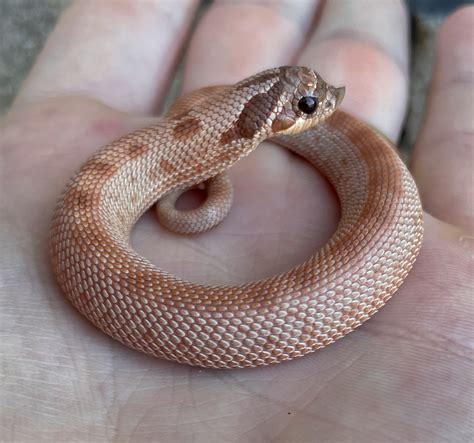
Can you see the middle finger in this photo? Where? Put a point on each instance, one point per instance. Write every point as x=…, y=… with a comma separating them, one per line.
x=363, y=45
x=237, y=39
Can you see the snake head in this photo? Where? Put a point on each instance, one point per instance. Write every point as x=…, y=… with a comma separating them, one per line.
x=305, y=100
x=285, y=100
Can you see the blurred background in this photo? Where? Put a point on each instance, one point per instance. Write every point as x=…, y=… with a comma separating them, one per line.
x=25, y=25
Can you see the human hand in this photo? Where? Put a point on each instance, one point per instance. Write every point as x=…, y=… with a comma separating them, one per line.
x=404, y=375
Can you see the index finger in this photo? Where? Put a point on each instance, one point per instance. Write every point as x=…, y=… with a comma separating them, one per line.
x=118, y=52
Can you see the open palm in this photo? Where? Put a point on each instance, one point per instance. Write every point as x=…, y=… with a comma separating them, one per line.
x=403, y=376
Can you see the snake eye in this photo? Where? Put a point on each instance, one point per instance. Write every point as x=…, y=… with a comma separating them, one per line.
x=308, y=104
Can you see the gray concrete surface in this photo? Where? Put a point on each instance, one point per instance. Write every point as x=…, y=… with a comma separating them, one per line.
x=24, y=27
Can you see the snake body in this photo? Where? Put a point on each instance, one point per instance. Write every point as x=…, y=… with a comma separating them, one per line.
x=257, y=323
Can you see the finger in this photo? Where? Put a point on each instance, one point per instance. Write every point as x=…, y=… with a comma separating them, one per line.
x=263, y=35
x=120, y=52
x=443, y=157
x=363, y=45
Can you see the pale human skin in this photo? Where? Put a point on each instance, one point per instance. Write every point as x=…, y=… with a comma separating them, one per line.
x=406, y=375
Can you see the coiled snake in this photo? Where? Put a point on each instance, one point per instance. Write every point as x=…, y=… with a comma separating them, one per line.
x=261, y=322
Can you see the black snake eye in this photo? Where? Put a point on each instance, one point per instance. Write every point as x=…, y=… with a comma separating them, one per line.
x=308, y=104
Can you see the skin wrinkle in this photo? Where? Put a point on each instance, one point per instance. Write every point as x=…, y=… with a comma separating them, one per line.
x=464, y=79
x=463, y=138
x=378, y=25
x=380, y=60
x=284, y=10
x=341, y=57
x=456, y=96
x=424, y=341
x=299, y=411
x=143, y=415
x=451, y=140
x=344, y=35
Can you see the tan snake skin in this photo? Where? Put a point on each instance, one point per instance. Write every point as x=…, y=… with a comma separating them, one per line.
x=262, y=322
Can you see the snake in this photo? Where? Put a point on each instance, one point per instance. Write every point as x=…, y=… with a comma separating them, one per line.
x=271, y=320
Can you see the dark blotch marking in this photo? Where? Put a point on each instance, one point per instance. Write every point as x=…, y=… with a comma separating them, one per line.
x=97, y=166
x=135, y=148
x=187, y=128
x=79, y=197
x=254, y=115
x=166, y=166
x=229, y=136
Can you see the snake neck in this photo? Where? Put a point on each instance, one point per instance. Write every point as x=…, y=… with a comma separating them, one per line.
x=217, y=126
